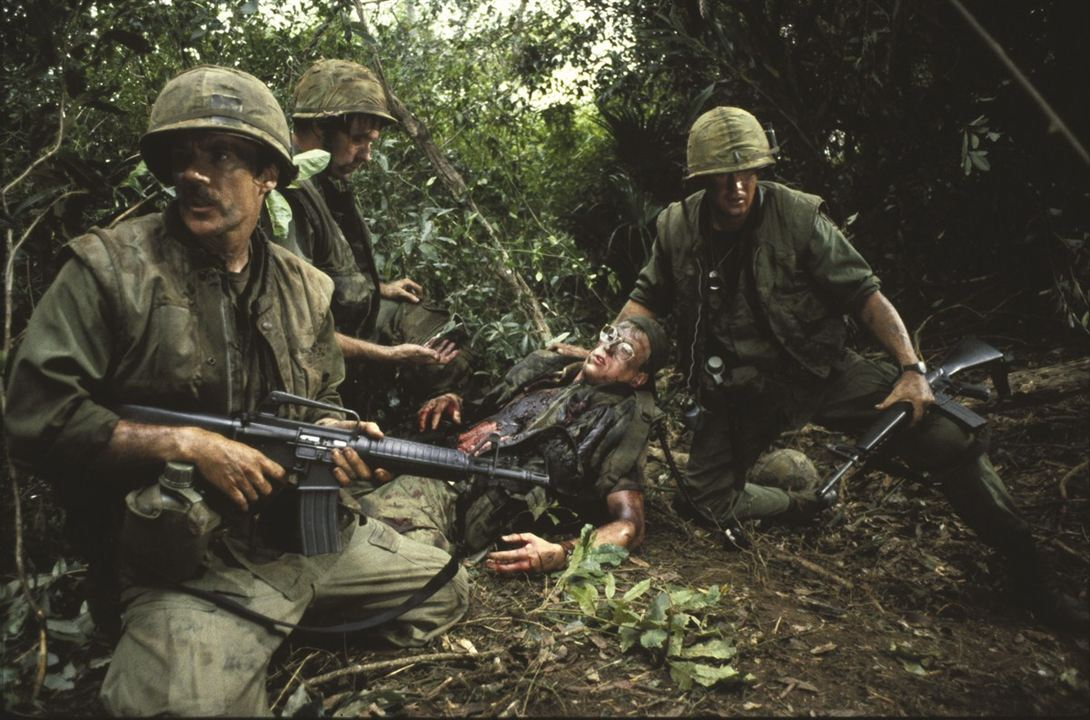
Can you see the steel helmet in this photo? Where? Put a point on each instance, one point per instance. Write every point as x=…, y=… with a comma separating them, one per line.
x=785, y=469
x=221, y=99
x=724, y=140
x=339, y=87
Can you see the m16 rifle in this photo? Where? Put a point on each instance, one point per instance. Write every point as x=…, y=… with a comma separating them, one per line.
x=305, y=450
x=967, y=355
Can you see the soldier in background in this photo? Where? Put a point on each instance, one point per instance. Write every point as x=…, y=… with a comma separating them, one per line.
x=385, y=329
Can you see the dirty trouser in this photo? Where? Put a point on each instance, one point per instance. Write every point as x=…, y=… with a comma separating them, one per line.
x=936, y=444
x=367, y=386
x=425, y=510
x=181, y=655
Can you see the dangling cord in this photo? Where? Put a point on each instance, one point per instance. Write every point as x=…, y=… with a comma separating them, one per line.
x=731, y=533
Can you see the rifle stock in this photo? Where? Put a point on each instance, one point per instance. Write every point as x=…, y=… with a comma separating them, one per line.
x=305, y=449
x=970, y=353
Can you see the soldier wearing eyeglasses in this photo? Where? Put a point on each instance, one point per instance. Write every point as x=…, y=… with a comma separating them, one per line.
x=602, y=406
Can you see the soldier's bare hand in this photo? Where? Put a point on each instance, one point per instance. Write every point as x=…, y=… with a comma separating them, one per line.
x=913, y=389
x=471, y=440
x=238, y=471
x=404, y=289
x=534, y=555
x=434, y=410
x=348, y=466
x=412, y=354
x=570, y=350
x=445, y=350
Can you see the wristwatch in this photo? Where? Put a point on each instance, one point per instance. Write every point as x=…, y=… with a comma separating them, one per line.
x=916, y=367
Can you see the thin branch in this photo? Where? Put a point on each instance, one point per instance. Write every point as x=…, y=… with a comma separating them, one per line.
x=454, y=183
x=9, y=265
x=41, y=159
x=1056, y=124
x=136, y=206
x=24, y=584
x=404, y=661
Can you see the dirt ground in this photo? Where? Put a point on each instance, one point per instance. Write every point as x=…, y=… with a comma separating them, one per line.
x=889, y=607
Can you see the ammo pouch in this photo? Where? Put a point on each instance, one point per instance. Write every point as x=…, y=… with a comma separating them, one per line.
x=167, y=528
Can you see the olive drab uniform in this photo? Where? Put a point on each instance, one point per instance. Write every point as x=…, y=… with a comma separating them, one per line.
x=609, y=425
x=142, y=313
x=329, y=230
x=775, y=315
x=141, y=316
x=325, y=213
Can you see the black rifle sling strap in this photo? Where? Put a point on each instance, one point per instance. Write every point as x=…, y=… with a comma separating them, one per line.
x=731, y=533
x=437, y=581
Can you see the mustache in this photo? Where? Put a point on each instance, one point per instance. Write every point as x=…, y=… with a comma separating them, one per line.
x=194, y=194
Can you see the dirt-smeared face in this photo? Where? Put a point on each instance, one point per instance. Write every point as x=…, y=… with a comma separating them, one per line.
x=733, y=195
x=350, y=148
x=618, y=357
x=219, y=185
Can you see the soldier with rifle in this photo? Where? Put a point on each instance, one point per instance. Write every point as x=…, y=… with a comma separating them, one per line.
x=759, y=280
x=194, y=310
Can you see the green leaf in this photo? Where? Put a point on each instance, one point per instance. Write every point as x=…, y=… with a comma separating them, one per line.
x=310, y=163
x=637, y=590
x=629, y=637
x=587, y=598
x=609, y=554
x=656, y=613
x=611, y=586
x=653, y=638
x=133, y=179
x=279, y=214
x=718, y=649
x=685, y=673
x=914, y=667
x=623, y=615
x=980, y=162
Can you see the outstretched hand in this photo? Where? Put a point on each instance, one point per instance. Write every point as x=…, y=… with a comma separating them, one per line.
x=534, y=555
x=911, y=388
x=431, y=353
x=404, y=289
x=432, y=412
x=568, y=349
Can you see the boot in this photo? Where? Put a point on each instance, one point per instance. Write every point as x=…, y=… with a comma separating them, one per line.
x=1036, y=590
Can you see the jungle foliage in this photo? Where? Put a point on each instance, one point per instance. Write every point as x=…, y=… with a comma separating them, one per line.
x=939, y=166
x=945, y=174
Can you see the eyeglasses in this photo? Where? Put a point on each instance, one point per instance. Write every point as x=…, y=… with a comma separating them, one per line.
x=612, y=341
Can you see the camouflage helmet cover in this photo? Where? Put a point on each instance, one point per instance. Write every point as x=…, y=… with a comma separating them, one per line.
x=724, y=140
x=219, y=99
x=339, y=87
x=786, y=469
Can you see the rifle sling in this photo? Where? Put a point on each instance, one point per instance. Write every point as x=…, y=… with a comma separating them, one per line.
x=733, y=532
x=441, y=578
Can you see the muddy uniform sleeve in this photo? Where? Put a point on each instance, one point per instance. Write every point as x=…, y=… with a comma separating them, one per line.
x=324, y=245
x=333, y=371
x=654, y=287
x=622, y=467
x=51, y=420
x=837, y=267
